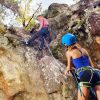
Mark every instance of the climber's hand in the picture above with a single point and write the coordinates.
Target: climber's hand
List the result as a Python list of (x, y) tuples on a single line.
[(67, 71), (37, 30)]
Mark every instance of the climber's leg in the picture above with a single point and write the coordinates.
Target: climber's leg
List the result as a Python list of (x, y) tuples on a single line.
[(84, 94), (84, 85), (35, 35), (41, 38), (97, 91), (96, 81)]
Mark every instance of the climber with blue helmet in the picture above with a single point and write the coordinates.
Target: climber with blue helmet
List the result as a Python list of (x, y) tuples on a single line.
[(88, 77)]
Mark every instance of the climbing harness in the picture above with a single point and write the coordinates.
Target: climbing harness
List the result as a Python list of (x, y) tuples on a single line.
[(83, 69), (87, 84)]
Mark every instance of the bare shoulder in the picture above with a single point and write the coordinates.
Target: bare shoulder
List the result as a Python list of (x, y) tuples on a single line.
[(85, 51), (68, 53)]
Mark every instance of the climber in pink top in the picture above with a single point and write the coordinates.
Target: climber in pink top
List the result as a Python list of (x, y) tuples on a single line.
[(42, 32), (43, 21)]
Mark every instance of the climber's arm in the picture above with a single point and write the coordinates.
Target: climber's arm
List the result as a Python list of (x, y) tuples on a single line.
[(40, 27), (41, 24), (68, 68)]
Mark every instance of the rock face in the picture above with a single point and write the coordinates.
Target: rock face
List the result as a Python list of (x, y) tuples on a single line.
[(84, 22), (20, 76), (94, 21), (57, 86), (58, 16), (9, 4), (55, 9), (25, 77)]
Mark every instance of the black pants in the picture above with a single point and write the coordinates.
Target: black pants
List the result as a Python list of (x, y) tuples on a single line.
[(43, 33)]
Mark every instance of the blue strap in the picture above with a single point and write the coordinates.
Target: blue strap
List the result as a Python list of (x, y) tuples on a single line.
[(92, 92), (80, 89)]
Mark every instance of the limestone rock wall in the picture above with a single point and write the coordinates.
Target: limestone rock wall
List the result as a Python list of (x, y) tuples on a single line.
[(25, 77), (81, 20)]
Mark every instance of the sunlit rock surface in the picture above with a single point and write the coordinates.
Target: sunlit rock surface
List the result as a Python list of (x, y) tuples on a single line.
[(23, 76), (84, 22)]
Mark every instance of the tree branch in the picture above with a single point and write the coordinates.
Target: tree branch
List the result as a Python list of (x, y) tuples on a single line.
[(39, 6)]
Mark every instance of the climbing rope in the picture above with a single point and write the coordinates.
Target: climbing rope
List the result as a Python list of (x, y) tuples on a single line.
[(52, 55)]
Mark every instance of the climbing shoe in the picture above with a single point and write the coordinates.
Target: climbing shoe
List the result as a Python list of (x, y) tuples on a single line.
[(26, 43)]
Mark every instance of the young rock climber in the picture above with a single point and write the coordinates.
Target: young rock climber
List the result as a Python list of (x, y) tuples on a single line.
[(42, 32), (87, 75)]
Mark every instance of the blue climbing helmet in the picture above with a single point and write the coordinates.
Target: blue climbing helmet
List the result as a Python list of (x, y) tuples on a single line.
[(69, 39)]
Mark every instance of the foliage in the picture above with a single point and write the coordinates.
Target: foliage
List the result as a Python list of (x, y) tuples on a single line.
[(26, 16), (45, 13), (2, 29), (31, 25), (23, 11), (24, 7)]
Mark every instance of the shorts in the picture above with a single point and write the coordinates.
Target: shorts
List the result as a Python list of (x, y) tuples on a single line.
[(89, 78)]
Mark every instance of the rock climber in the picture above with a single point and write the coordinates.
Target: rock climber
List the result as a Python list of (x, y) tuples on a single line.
[(42, 32), (88, 76)]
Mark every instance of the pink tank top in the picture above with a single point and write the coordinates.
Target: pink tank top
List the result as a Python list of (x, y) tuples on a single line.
[(43, 22)]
